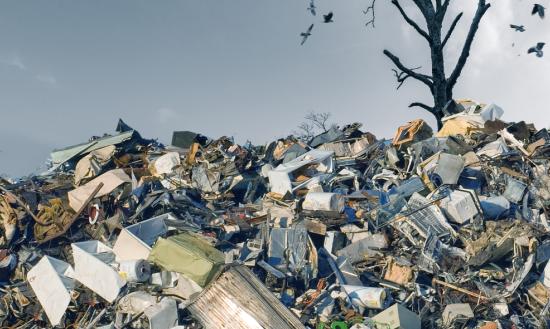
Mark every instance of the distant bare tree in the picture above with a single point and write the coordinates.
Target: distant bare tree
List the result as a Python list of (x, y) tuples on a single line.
[(440, 85), (315, 123), (319, 120), (304, 132)]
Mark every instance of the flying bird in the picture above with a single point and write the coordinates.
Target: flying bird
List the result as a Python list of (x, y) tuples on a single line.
[(537, 49), (328, 17), (538, 9), (306, 34), (311, 8), (518, 28)]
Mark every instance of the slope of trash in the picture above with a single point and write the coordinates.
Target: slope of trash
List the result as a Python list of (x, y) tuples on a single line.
[(444, 229)]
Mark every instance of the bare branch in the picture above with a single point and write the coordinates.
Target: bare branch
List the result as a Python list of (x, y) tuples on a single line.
[(481, 10), (305, 132), (424, 6), (402, 76), (428, 11), (371, 21), (442, 11), (399, 77), (373, 16), (411, 22), (451, 29), (420, 77), (422, 105), (428, 5), (319, 120)]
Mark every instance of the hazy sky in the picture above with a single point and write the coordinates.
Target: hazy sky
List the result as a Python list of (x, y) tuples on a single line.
[(69, 69)]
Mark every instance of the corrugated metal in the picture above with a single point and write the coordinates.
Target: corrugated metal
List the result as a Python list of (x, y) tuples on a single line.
[(238, 300), (60, 156)]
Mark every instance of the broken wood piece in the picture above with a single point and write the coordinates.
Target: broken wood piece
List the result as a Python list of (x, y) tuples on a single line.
[(462, 290)]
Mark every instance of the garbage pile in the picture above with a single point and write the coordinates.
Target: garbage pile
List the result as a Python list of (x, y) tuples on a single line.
[(445, 229)]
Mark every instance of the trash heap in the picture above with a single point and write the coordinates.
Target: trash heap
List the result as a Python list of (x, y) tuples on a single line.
[(428, 230)]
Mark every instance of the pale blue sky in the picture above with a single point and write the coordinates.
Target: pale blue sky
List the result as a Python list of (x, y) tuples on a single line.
[(69, 69)]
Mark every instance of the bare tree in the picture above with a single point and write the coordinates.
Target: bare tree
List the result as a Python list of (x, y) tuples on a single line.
[(440, 85), (304, 132), (319, 120), (315, 123)]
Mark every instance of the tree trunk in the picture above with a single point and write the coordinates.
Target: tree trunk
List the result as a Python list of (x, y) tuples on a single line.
[(440, 86), (439, 91)]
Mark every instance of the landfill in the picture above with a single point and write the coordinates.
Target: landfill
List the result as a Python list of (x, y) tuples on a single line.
[(428, 229)]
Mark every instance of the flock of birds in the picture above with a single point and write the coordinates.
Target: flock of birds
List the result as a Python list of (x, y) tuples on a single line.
[(326, 19), (538, 9)]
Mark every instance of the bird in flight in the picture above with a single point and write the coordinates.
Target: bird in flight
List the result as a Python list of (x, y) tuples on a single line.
[(306, 34), (518, 28), (537, 49), (538, 9), (328, 17), (311, 8)]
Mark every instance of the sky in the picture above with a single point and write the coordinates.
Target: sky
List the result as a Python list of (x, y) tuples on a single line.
[(70, 68)]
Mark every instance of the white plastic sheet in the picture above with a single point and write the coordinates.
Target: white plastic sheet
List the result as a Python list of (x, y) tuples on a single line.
[(92, 261), (51, 280), (323, 201), (280, 178)]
